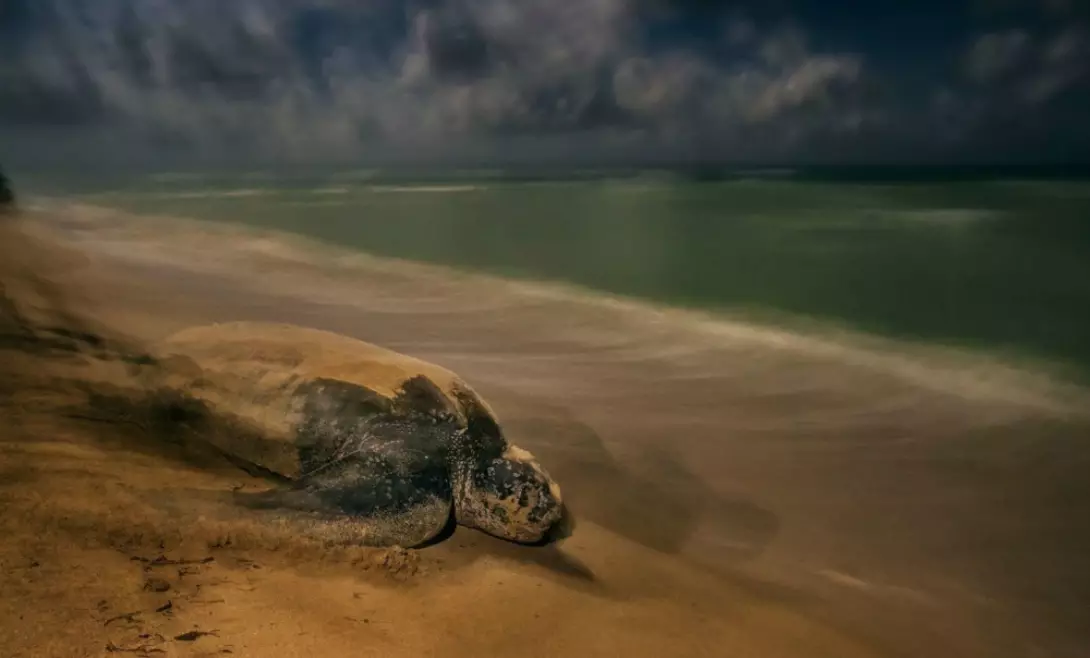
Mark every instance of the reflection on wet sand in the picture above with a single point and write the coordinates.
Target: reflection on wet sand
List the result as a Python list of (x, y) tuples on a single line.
[(656, 502)]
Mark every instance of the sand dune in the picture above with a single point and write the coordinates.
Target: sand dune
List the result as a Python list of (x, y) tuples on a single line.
[(734, 499)]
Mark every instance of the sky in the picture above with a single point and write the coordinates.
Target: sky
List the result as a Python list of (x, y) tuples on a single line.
[(555, 81)]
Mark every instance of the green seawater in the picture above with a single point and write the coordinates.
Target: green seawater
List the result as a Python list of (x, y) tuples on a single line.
[(984, 262)]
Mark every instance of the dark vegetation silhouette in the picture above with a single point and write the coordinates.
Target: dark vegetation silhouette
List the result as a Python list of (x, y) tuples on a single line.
[(7, 196)]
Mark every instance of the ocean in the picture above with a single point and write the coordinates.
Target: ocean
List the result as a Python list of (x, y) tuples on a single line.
[(996, 260)]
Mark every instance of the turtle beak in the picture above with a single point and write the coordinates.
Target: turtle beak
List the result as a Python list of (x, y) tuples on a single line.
[(562, 528)]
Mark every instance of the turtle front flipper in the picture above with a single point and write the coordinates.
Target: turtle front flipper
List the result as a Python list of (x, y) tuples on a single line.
[(383, 468), (386, 507)]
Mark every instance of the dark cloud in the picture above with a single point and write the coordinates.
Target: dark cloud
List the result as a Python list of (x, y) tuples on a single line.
[(332, 79), (993, 55), (1019, 70)]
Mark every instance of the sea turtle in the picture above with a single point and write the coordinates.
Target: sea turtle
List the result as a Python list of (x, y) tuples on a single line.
[(400, 445)]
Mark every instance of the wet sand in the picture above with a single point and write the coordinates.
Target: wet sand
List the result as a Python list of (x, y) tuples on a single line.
[(740, 491)]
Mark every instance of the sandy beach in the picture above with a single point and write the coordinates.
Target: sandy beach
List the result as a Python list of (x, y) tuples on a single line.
[(740, 491)]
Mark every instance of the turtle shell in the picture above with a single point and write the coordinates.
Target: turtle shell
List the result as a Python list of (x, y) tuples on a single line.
[(294, 390)]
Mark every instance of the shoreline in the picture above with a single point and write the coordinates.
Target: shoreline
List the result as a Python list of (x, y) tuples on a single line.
[(880, 336)]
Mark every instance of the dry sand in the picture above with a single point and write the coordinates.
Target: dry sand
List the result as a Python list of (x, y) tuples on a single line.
[(740, 493)]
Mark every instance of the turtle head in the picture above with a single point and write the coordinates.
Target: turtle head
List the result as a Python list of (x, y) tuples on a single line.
[(512, 497)]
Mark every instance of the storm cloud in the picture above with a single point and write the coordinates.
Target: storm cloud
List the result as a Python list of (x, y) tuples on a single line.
[(337, 79)]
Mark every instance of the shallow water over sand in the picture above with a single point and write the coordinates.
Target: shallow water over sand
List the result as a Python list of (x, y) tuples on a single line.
[(996, 264)]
